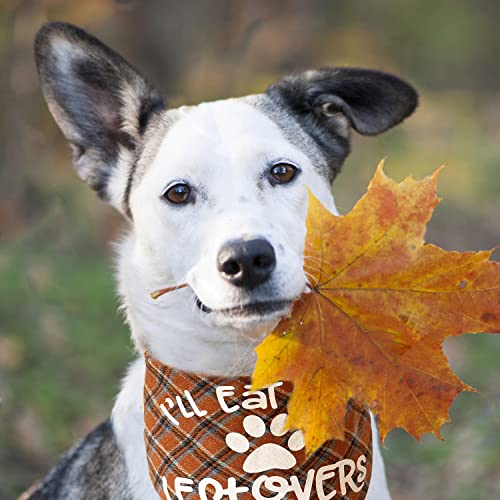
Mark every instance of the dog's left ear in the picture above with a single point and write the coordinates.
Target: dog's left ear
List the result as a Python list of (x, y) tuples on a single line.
[(101, 104), (323, 100), (372, 101)]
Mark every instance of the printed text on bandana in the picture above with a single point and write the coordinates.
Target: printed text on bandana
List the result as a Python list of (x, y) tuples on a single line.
[(266, 447)]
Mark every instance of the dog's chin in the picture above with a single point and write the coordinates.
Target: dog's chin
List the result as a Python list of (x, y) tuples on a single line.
[(256, 318)]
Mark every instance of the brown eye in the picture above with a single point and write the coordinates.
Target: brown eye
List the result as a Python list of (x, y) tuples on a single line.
[(283, 173), (178, 194)]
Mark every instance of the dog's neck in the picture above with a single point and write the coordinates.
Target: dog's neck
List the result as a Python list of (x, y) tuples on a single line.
[(171, 328)]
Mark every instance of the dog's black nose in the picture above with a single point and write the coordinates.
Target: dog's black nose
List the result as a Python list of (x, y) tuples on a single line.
[(246, 263)]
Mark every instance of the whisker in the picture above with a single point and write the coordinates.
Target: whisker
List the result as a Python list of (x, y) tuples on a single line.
[(309, 260), (195, 310), (311, 257), (309, 275), (312, 282), (322, 262), (239, 358), (313, 268)]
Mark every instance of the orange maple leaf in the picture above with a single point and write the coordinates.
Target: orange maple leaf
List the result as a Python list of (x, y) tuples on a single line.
[(380, 306)]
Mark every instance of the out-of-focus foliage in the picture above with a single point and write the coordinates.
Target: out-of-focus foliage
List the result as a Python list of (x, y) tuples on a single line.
[(63, 346)]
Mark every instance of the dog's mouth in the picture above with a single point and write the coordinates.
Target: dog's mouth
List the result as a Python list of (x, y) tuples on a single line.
[(268, 309), (263, 308)]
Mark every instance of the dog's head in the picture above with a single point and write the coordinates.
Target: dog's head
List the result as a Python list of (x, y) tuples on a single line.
[(214, 192)]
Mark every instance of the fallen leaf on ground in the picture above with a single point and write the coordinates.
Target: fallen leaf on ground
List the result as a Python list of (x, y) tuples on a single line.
[(380, 305)]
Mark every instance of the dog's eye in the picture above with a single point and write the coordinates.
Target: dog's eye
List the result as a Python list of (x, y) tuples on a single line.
[(283, 173), (178, 194)]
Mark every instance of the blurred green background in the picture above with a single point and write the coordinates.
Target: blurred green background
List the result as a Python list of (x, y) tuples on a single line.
[(63, 346)]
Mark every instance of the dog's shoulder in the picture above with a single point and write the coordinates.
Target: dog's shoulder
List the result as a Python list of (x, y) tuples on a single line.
[(94, 468)]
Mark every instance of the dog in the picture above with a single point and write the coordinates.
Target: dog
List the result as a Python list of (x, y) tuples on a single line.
[(214, 197)]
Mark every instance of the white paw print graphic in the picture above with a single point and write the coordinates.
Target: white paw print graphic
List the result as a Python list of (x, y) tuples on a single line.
[(268, 455)]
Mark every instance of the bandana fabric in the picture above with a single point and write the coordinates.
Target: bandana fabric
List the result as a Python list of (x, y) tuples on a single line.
[(211, 438)]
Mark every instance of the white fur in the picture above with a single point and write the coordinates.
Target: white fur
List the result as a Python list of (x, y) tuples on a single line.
[(222, 149), (119, 175)]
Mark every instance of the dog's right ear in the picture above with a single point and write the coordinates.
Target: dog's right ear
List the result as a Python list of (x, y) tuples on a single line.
[(101, 104)]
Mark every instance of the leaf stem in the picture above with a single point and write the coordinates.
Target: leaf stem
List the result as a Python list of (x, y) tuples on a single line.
[(163, 291)]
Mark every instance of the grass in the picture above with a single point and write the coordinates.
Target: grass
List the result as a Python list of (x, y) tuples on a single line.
[(64, 349)]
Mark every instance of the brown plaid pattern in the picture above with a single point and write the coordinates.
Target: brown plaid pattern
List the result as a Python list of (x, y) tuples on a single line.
[(196, 448)]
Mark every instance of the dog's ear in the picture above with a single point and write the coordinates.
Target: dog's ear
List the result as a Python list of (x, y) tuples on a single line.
[(327, 101), (100, 102), (372, 101)]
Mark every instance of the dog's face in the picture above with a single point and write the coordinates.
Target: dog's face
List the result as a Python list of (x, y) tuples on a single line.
[(215, 192), (222, 207)]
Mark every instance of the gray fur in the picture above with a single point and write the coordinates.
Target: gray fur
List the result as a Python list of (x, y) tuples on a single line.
[(93, 469), (292, 130)]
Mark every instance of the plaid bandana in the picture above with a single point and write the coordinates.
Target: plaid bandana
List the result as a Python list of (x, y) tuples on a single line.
[(211, 438)]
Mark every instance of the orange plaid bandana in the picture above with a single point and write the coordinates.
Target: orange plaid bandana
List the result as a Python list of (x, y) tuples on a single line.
[(211, 438)]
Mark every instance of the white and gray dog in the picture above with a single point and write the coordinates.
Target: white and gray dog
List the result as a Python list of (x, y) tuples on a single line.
[(214, 196)]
